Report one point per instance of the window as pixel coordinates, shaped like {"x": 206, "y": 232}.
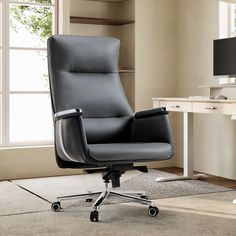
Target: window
{"x": 25, "y": 114}
{"x": 227, "y": 19}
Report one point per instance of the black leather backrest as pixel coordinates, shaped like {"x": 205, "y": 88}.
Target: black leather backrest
{"x": 83, "y": 73}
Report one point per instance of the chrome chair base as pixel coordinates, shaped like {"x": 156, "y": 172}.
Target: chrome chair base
{"x": 135, "y": 196}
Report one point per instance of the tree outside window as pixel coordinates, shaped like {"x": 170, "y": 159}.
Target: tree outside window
{"x": 37, "y": 20}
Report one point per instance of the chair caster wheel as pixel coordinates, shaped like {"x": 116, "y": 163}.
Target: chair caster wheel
{"x": 56, "y": 206}
{"x": 144, "y": 197}
{"x": 94, "y": 216}
{"x": 153, "y": 211}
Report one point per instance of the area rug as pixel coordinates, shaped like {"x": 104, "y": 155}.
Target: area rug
{"x": 127, "y": 220}
{"x": 157, "y": 190}
{"x": 47, "y": 188}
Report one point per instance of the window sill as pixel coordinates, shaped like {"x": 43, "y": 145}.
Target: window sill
{"x": 26, "y": 147}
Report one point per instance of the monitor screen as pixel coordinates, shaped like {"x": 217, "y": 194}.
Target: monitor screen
{"x": 225, "y": 57}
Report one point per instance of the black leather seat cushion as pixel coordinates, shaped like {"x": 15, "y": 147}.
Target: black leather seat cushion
{"x": 130, "y": 151}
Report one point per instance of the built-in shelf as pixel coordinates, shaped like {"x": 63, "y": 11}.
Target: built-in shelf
{"x": 99, "y": 21}
{"x": 126, "y": 71}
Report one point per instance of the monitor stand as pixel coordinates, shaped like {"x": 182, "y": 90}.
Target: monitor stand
{"x": 227, "y": 80}
{"x": 217, "y": 90}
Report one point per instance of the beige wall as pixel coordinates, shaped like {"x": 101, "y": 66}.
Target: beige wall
{"x": 214, "y": 135}
{"x": 155, "y": 54}
{"x": 29, "y": 162}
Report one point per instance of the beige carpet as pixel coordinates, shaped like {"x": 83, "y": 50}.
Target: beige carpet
{"x": 24, "y": 213}
{"x": 52, "y": 187}
{"x": 206, "y": 215}
{"x": 14, "y": 200}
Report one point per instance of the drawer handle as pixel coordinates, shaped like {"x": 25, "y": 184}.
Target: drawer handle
{"x": 176, "y": 106}
{"x": 211, "y": 108}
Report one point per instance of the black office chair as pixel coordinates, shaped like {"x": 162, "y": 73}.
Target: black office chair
{"x": 95, "y": 128}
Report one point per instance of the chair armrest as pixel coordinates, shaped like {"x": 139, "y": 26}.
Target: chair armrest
{"x": 70, "y": 136}
{"x": 67, "y": 114}
{"x": 152, "y": 127}
{"x": 152, "y": 112}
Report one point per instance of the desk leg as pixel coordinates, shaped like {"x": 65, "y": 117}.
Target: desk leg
{"x": 187, "y": 151}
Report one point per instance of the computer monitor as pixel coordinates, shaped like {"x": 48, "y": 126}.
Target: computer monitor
{"x": 225, "y": 57}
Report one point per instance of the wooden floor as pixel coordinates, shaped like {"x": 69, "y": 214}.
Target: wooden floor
{"x": 210, "y": 179}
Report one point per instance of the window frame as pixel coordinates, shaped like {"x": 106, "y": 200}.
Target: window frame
{"x": 3, "y": 74}
{"x": 5, "y": 92}
{"x": 231, "y": 20}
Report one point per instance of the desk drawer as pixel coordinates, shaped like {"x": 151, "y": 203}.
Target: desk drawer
{"x": 176, "y": 106}
{"x": 210, "y": 107}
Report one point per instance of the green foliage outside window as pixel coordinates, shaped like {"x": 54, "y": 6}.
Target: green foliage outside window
{"x": 36, "y": 19}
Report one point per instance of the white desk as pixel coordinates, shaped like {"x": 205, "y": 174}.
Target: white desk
{"x": 188, "y": 107}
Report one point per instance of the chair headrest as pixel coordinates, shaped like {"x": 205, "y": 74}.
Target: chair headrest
{"x": 84, "y": 54}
